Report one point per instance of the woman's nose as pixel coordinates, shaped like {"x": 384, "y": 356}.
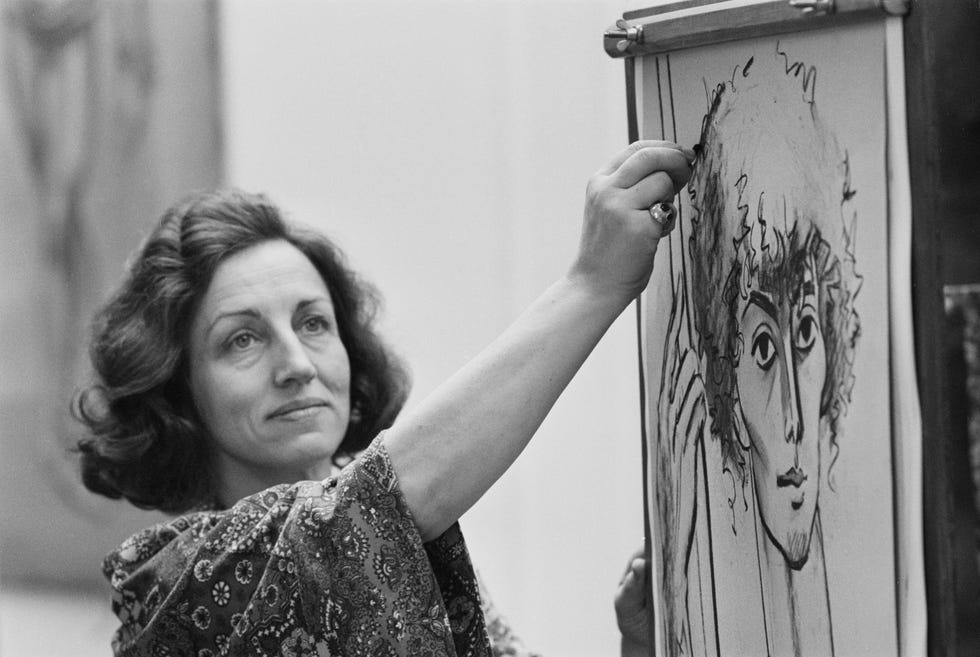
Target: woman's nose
{"x": 293, "y": 362}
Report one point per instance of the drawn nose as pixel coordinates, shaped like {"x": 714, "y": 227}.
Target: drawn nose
{"x": 793, "y": 428}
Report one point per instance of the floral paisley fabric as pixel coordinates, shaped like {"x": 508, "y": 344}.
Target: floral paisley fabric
{"x": 331, "y": 568}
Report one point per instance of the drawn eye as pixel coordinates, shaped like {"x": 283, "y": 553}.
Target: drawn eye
{"x": 764, "y": 351}
{"x": 806, "y": 334}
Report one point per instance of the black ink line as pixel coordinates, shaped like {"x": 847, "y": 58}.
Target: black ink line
{"x": 631, "y": 108}
{"x": 680, "y": 224}
{"x": 809, "y": 76}
{"x": 704, "y": 630}
{"x": 896, "y": 518}
{"x": 633, "y": 135}
{"x": 711, "y": 547}
{"x": 704, "y": 458}
{"x": 848, "y": 192}
{"x": 648, "y": 449}
{"x": 826, "y": 584}
{"x": 670, "y": 241}
{"x": 731, "y": 500}
{"x": 758, "y": 560}
{"x": 794, "y": 626}
{"x": 645, "y": 455}
{"x": 660, "y": 102}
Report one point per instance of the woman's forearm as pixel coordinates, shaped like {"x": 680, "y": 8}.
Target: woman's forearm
{"x": 452, "y": 447}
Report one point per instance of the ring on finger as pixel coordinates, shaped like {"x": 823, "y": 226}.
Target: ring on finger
{"x": 664, "y": 214}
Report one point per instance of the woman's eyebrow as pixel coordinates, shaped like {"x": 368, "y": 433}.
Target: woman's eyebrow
{"x": 244, "y": 312}
{"x": 325, "y": 302}
{"x": 305, "y": 303}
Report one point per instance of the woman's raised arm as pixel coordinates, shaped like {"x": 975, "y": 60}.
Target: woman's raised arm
{"x": 454, "y": 445}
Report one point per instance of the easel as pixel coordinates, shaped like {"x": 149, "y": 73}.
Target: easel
{"x": 941, "y": 69}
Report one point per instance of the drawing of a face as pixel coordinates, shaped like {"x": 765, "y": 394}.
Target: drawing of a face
{"x": 774, "y": 281}
{"x": 780, "y": 376}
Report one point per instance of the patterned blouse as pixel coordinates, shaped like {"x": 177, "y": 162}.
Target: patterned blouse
{"x": 330, "y": 568}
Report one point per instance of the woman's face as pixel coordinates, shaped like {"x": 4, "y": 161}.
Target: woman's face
{"x": 269, "y": 374}
{"x": 780, "y": 378}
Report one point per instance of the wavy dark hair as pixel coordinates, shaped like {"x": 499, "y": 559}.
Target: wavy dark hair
{"x": 146, "y": 441}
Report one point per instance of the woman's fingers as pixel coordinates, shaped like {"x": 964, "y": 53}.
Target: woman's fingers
{"x": 631, "y": 602}
{"x": 619, "y": 236}
{"x": 638, "y": 556}
{"x": 655, "y": 188}
{"x": 625, "y": 154}
{"x": 649, "y": 160}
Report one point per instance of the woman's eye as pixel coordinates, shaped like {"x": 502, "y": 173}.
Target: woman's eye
{"x": 315, "y": 324}
{"x": 806, "y": 334}
{"x": 241, "y": 341}
{"x": 764, "y": 351}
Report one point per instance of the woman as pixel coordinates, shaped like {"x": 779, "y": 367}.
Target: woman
{"x": 237, "y": 367}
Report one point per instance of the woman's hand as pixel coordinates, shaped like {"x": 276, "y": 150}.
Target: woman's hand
{"x": 633, "y": 607}
{"x": 619, "y": 237}
{"x": 680, "y": 423}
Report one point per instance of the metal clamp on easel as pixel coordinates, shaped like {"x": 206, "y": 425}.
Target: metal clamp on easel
{"x": 625, "y": 35}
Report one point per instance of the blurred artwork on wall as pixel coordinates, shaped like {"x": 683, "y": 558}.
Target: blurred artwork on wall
{"x": 109, "y": 111}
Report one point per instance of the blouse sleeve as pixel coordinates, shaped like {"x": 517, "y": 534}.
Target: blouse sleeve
{"x": 317, "y": 568}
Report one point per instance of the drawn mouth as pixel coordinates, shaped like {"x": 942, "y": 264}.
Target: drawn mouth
{"x": 796, "y": 504}
{"x": 793, "y": 477}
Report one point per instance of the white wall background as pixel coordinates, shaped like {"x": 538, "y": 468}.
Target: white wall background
{"x": 447, "y": 145}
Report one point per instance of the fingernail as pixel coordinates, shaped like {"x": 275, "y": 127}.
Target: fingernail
{"x": 690, "y": 153}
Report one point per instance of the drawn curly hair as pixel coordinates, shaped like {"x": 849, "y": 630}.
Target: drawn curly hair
{"x": 770, "y": 194}
{"x": 146, "y": 441}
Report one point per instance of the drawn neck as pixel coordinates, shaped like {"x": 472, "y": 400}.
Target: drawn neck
{"x": 797, "y": 601}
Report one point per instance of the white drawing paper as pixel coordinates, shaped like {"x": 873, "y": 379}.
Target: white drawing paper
{"x": 765, "y": 339}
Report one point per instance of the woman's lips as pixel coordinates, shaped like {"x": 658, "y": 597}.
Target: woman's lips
{"x": 298, "y": 410}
